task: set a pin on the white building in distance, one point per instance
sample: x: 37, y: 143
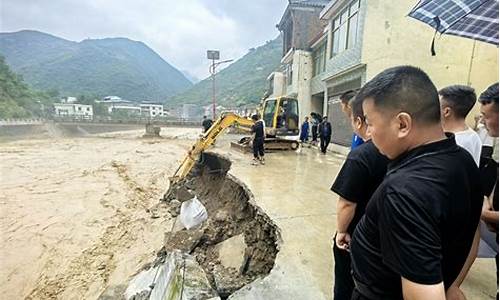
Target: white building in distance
x: 152, y: 110
x: 74, y: 110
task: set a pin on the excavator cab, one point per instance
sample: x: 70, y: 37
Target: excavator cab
x: 281, y: 116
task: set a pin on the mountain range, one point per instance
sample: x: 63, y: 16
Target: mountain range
x: 132, y: 70
x: 241, y: 83
x: 100, y: 67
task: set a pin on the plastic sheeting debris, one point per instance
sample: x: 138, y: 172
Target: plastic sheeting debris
x: 193, y: 213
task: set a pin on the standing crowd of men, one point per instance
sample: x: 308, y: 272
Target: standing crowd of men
x: 414, y: 195
x: 418, y: 192
x: 320, y: 127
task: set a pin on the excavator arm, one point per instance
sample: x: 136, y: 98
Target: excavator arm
x: 223, y: 122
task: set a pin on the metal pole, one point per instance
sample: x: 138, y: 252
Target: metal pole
x: 213, y: 89
x: 470, y: 64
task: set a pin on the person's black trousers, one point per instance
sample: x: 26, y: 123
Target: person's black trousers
x: 324, y: 143
x: 343, y: 283
x: 258, y: 148
x: 315, y: 133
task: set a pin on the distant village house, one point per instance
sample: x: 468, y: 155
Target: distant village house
x: 74, y: 111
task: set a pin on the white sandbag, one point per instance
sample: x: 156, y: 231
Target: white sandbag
x: 180, y: 277
x: 193, y: 213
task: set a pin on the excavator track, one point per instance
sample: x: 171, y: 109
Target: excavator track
x: 270, y: 144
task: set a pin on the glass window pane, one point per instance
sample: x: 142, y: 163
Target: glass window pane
x: 322, y: 61
x: 345, y: 16
x: 353, y: 8
x: 323, y: 58
x: 269, y: 108
x: 336, y: 23
x: 335, y: 48
x: 353, y: 31
x: 342, y: 37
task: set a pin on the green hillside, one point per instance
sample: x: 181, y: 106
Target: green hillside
x: 102, y: 67
x: 243, y: 82
x: 17, y: 100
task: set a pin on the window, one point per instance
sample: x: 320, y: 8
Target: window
x: 88, y: 108
x: 353, y: 24
x: 269, y: 110
x: 319, y: 59
x: 345, y: 29
x: 289, y: 74
x: 79, y: 108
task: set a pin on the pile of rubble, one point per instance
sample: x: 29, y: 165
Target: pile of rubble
x: 235, y: 242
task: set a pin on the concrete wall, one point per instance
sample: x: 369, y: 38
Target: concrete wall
x: 301, y: 83
x: 306, y: 26
x: 279, y: 84
x: 391, y: 38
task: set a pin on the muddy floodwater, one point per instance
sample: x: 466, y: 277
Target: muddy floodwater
x: 73, y: 211
x: 75, y: 215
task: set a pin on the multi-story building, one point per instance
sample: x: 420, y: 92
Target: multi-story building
x: 353, y: 40
x: 116, y: 104
x: 299, y: 25
x: 152, y: 110
x: 74, y: 111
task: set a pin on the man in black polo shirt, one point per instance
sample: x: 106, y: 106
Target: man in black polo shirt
x: 258, y: 132
x: 206, y: 124
x: 361, y: 174
x: 489, y: 111
x: 419, y: 224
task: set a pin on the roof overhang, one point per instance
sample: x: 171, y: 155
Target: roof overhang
x: 288, y: 56
x: 330, y: 77
x: 331, y: 9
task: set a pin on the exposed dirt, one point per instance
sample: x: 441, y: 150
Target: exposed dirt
x: 231, y: 211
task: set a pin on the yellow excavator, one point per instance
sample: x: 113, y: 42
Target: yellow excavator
x: 281, y: 118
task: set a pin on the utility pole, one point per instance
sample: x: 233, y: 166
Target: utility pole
x: 214, y: 55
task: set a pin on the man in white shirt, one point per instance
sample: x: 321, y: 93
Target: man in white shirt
x: 486, y: 139
x: 456, y: 103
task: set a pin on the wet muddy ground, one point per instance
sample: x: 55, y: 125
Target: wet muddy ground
x: 75, y: 215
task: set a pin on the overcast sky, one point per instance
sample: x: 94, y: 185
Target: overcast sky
x: 180, y: 31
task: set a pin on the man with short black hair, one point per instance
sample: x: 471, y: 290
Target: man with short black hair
x: 346, y: 109
x: 325, y: 134
x: 258, y: 136
x: 456, y: 102
x: 315, y: 121
x: 360, y: 175
x: 419, y: 224
x: 489, y: 112
x: 206, y: 124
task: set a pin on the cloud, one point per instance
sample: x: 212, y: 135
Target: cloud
x: 180, y: 31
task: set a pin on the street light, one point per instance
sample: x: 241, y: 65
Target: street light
x: 214, y: 55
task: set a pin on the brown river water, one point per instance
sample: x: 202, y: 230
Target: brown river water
x: 74, y: 215
x: 73, y: 211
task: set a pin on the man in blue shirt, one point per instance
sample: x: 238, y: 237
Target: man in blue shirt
x: 304, y: 130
